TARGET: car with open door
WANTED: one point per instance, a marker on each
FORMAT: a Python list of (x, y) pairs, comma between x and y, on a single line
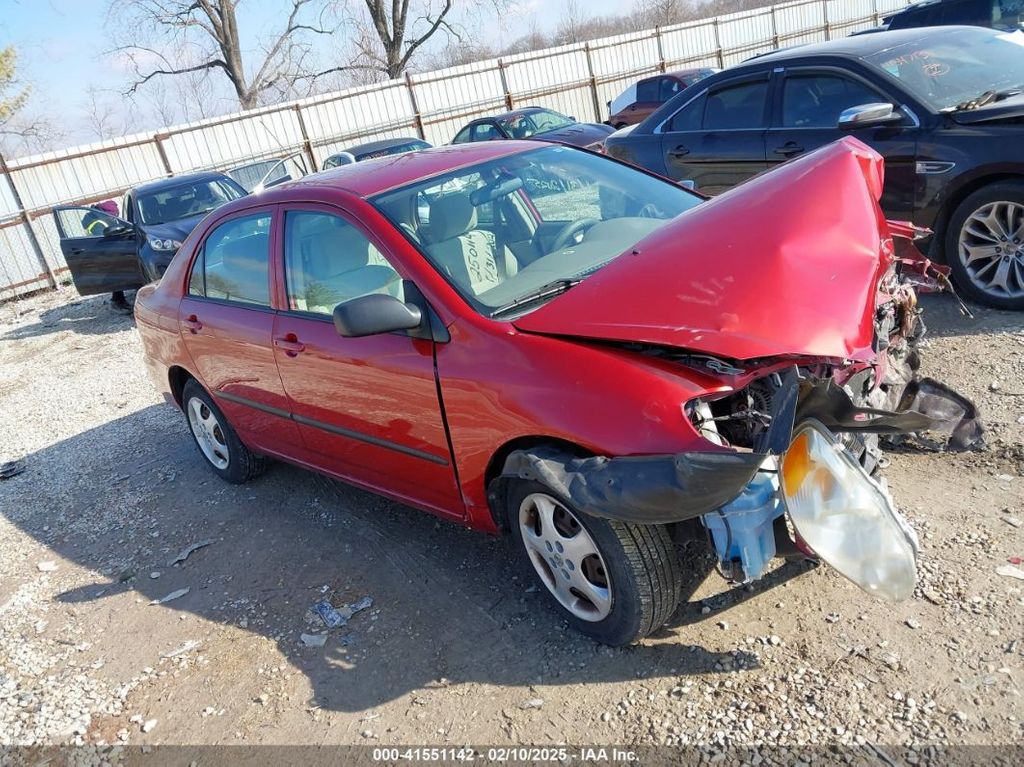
[(256, 176), (944, 106), (599, 366), (107, 253)]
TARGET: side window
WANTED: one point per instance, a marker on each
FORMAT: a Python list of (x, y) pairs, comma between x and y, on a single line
[(690, 117), (670, 86), (328, 261), (84, 222), (647, 90), (968, 12), (736, 106), (462, 137), (816, 101), (1007, 14), (233, 264), (485, 132)]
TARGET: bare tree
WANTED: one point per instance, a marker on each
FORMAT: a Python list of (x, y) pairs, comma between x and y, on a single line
[(20, 131), (192, 36), (102, 118), (391, 33)]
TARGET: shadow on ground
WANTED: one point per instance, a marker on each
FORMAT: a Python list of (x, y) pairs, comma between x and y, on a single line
[(86, 316), (449, 604)]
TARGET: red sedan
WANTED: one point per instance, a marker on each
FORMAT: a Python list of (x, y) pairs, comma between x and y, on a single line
[(540, 340)]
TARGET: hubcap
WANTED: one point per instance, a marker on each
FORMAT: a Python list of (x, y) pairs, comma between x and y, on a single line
[(565, 557), (208, 433), (992, 249)]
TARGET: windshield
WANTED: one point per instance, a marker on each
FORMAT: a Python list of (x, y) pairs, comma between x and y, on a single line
[(526, 124), (186, 200), (504, 229), (954, 67)]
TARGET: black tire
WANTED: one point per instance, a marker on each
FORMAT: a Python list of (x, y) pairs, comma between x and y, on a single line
[(1001, 191), (644, 573), (242, 463)]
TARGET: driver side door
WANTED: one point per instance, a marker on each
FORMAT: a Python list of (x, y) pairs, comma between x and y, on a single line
[(101, 250)]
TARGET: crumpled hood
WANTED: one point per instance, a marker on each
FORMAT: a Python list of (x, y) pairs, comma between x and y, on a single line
[(578, 134), (785, 264)]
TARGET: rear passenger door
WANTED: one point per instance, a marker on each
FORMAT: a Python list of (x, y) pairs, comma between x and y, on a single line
[(227, 320), (717, 138), (367, 408)]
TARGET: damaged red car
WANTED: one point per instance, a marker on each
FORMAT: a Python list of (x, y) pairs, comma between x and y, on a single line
[(538, 340)]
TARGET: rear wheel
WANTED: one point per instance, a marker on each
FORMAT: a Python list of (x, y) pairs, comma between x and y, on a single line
[(612, 581), (217, 441), (985, 245)]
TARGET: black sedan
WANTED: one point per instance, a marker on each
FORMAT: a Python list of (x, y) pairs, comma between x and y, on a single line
[(943, 105), (106, 253), (535, 123)]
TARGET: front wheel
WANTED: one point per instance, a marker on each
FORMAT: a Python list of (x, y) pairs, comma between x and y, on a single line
[(614, 582), (985, 245)]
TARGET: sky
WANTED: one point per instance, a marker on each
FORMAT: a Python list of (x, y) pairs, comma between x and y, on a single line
[(63, 46)]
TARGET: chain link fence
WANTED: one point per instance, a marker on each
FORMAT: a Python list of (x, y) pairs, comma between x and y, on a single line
[(577, 80)]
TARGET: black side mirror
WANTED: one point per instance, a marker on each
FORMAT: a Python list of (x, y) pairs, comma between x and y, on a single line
[(374, 314), (118, 230)]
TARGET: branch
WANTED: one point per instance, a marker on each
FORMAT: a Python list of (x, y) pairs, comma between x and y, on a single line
[(214, 63), (434, 26)]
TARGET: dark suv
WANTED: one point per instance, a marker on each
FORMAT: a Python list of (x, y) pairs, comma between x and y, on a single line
[(998, 14), (944, 106)]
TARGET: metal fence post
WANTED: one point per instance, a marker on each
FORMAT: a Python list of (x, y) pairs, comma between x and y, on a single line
[(415, 107), (828, 29), (32, 238), (718, 44), (504, 85), (160, 150), (874, 11), (661, 51), (593, 83), (307, 146), (775, 27)]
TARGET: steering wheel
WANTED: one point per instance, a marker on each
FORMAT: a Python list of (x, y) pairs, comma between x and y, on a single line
[(570, 230)]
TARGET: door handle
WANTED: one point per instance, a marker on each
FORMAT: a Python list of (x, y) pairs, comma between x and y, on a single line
[(679, 151), (76, 251), (789, 148), (192, 323), (290, 344)]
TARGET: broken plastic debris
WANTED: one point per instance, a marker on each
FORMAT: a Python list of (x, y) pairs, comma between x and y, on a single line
[(48, 566), (187, 551), (173, 595), (314, 640), (533, 703), (187, 647), (1011, 572), (335, 618), (11, 469)]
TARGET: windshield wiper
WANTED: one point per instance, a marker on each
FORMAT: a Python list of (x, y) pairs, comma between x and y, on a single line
[(986, 98), (548, 290)]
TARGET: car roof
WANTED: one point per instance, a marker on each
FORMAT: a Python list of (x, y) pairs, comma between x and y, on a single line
[(859, 46), (521, 111), (375, 146), (175, 181), (683, 72), (371, 177)]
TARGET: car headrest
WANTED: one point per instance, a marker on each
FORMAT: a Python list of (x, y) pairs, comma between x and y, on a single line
[(451, 216)]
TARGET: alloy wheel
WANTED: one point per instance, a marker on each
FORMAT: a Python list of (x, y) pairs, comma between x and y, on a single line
[(208, 433), (991, 248), (565, 557)]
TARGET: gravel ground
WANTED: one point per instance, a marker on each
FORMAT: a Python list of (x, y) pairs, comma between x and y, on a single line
[(457, 646)]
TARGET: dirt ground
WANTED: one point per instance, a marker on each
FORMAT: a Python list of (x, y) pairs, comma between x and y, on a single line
[(458, 646)]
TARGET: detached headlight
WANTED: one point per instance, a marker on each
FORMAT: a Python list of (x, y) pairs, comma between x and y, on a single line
[(164, 244), (845, 516)]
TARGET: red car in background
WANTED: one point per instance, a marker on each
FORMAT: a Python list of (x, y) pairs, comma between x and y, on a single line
[(540, 340), (642, 98)]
